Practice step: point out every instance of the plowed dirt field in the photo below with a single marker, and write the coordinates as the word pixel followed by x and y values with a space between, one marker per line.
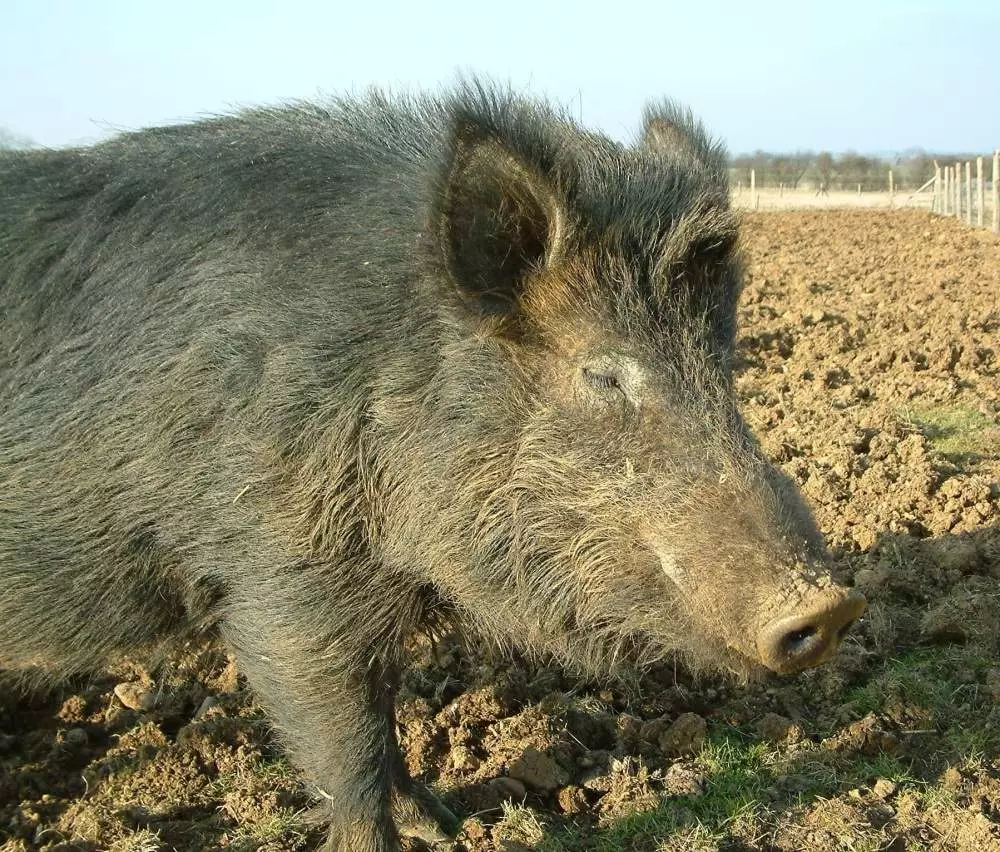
pixel 869 367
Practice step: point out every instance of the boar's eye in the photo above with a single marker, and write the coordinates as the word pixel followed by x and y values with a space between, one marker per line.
pixel 613 380
pixel 601 380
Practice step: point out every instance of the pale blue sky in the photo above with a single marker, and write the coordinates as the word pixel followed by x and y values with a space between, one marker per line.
pixel 872 76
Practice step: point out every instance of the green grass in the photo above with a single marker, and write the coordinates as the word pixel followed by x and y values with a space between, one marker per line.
pixel 945 683
pixel 278 826
pixel 254 779
pixel 739 775
pixel 270 773
pixel 752 786
pixel 929 677
pixel 143 840
pixel 961 435
pixel 520 825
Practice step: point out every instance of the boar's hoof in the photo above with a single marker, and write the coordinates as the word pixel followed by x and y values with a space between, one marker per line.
pixel 418 813
pixel 810 634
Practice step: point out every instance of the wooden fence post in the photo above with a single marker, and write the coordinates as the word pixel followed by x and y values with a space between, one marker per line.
pixel 968 193
pixel 958 191
pixel 996 191
pixel 892 191
pixel 951 190
pixel 946 201
pixel 937 190
pixel 980 196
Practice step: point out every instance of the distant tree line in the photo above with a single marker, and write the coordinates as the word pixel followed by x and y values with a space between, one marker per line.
pixel 9 139
pixel 802 170
pixel 807 169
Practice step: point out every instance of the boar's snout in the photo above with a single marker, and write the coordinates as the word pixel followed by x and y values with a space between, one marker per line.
pixel 811 632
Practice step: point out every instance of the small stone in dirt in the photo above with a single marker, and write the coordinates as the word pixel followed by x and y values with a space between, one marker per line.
pixel 209 703
pixel 538 771
pixel 598 780
pixel 880 814
pixel 681 780
pixel 778 729
pixel 508 789
pixel 135 696
pixel 629 733
pixel 685 736
pixel 75 738
pixel 652 730
pixel 884 788
pixel 572 799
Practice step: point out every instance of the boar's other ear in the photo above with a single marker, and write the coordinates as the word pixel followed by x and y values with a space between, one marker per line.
pixel 674 132
pixel 499 219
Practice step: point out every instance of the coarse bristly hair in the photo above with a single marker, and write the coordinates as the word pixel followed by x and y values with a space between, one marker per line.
pixel 319 376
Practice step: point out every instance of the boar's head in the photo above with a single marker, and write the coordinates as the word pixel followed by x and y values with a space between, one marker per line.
pixel 572 473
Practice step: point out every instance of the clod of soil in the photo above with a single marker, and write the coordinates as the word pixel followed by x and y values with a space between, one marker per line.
pixel 684 736
pixel 776 728
pixel 538 771
pixel 135 696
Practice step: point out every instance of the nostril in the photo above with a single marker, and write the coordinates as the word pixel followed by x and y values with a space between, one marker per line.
pixel 794 640
pixel 797 641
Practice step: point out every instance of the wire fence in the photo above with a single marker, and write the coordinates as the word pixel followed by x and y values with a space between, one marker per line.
pixel 962 191
pixel 966 194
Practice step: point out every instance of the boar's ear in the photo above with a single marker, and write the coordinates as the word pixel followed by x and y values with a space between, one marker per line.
pixel 499 219
pixel 675 133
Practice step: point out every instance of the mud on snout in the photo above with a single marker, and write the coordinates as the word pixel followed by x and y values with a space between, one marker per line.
pixel 808 630
pixel 799 627
pixel 753 580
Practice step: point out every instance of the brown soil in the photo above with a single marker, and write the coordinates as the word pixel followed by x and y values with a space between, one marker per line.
pixel 869 364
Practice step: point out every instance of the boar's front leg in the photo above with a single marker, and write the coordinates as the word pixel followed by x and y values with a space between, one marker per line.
pixel 329 693
pixel 416 810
